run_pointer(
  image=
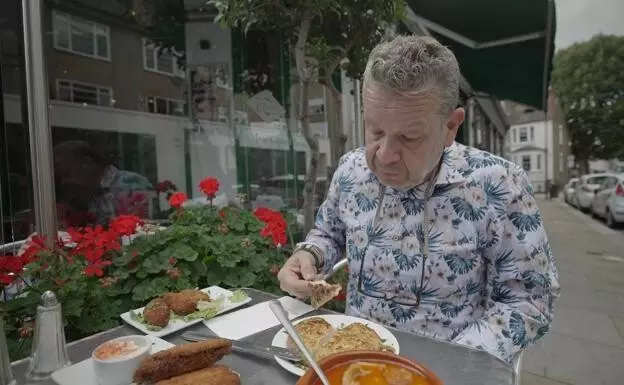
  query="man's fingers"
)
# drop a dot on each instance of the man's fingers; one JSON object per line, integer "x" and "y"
{"x": 296, "y": 286}
{"x": 308, "y": 270}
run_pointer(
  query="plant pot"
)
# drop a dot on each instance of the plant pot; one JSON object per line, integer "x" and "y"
{"x": 310, "y": 378}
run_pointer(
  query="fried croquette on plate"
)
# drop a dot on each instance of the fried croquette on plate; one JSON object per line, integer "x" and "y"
{"x": 214, "y": 375}
{"x": 157, "y": 312}
{"x": 181, "y": 359}
{"x": 185, "y": 302}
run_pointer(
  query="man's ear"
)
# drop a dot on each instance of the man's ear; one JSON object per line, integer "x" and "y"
{"x": 456, "y": 119}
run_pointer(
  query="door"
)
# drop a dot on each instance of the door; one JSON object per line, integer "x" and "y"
{"x": 602, "y": 195}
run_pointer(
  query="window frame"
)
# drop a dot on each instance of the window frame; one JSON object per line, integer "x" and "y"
{"x": 526, "y": 135}
{"x": 72, "y": 83}
{"x": 167, "y": 101}
{"x": 69, "y": 49}
{"x": 523, "y": 158}
{"x": 177, "y": 72}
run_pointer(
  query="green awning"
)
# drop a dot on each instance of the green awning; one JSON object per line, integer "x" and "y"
{"x": 504, "y": 47}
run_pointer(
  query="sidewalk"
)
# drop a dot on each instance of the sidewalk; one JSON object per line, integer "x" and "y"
{"x": 586, "y": 342}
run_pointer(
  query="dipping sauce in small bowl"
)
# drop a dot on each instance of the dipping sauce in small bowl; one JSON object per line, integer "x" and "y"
{"x": 115, "y": 349}
{"x": 115, "y": 361}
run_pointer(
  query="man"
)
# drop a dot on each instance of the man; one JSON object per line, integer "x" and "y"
{"x": 442, "y": 240}
{"x": 91, "y": 184}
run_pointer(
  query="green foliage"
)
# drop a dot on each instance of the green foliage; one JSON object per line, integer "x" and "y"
{"x": 203, "y": 247}
{"x": 346, "y": 29}
{"x": 588, "y": 79}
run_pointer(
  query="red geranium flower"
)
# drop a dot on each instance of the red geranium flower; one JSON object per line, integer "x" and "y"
{"x": 275, "y": 225}
{"x": 176, "y": 199}
{"x": 10, "y": 269}
{"x": 125, "y": 224}
{"x": 209, "y": 186}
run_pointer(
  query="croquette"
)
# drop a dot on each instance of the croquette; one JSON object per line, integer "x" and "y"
{"x": 181, "y": 359}
{"x": 185, "y": 302}
{"x": 215, "y": 375}
{"x": 157, "y": 312}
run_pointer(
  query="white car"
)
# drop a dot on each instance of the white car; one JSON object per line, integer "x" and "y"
{"x": 608, "y": 200}
{"x": 568, "y": 190}
{"x": 585, "y": 189}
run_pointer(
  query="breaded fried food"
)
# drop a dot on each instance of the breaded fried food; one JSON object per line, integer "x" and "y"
{"x": 353, "y": 337}
{"x": 185, "y": 302}
{"x": 311, "y": 332}
{"x": 157, "y": 312}
{"x": 323, "y": 292}
{"x": 181, "y": 359}
{"x": 214, "y": 375}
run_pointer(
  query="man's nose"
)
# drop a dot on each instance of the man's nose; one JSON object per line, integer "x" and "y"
{"x": 388, "y": 152}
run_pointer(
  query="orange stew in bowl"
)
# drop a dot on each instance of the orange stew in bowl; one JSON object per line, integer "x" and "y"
{"x": 374, "y": 373}
{"x": 115, "y": 349}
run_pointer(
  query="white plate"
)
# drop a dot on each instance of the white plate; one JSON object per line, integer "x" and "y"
{"x": 337, "y": 321}
{"x": 83, "y": 373}
{"x": 179, "y": 324}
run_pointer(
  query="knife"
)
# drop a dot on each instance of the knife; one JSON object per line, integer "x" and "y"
{"x": 248, "y": 347}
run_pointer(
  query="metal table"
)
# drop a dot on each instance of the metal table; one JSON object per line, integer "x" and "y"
{"x": 454, "y": 364}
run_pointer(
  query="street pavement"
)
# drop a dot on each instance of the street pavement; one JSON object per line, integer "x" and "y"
{"x": 586, "y": 342}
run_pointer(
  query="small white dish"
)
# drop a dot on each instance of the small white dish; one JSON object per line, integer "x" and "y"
{"x": 119, "y": 369}
{"x": 83, "y": 372}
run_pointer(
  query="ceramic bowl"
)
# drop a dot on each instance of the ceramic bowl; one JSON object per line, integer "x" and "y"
{"x": 119, "y": 370}
{"x": 310, "y": 378}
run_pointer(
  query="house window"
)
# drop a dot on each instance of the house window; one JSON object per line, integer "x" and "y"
{"x": 161, "y": 60}
{"x": 75, "y": 92}
{"x": 523, "y": 135}
{"x": 81, "y": 37}
{"x": 166, "y": 106}
{"x": 532, "y": 129}
{"x": 526, "y": 162}
{"x": 513, "y": 131}
{"x": 538, "y": 166}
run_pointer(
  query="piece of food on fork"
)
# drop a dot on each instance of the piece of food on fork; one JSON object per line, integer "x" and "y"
{"x": 323, "y": 292}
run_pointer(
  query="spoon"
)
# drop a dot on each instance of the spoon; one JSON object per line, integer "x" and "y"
{"x": 280, "y": 314}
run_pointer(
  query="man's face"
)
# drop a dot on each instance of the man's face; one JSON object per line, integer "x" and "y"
{"x": 405, "y": 135}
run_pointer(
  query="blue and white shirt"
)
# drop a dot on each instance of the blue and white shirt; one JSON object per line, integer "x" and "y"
{"x": 490, "y": 280}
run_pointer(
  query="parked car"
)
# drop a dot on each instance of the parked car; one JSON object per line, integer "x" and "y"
{"x": 587, "y": 186}
{"x": 568, "y": 190}
{"x": 608, "y": 200}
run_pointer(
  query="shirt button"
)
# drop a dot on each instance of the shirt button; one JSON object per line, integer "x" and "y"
{"x": 396, "y": 237}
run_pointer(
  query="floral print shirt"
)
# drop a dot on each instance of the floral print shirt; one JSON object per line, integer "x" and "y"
{"x": 490, "y": 280}
{"x": 122, "y": 192}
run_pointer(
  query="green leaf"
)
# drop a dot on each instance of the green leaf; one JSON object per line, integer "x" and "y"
{"x": 183, "y": 252}
{"x": 150, "y": 288}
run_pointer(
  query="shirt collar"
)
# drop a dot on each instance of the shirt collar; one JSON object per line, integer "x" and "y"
{"x": 450, "y": 170}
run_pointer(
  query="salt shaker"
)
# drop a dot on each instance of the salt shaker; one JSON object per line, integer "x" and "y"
{"x": 49, "y": 351}
{"x": 6, "y": 375}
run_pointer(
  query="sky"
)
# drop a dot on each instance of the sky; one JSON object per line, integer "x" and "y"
{"x": 579, "y": 20}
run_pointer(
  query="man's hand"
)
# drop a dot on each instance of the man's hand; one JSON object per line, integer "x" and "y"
{"x": 297, "y": 272}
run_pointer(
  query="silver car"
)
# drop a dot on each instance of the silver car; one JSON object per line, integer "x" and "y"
{"x": 568, "y": 190}
{"x": 586, "y": 188}
{"x": 608, "y": 200}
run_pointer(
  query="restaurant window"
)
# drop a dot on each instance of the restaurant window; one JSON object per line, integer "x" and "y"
{"x": 166, "y": 106}
{"x": 539, "y": 162}
{"x": 532, "y": 129}
{"x": 523, "y": 135}
{"x": 513, "y": 131}
{"x": 80, "y": 36}
{"x": 161, "y": 60}
{"x": 526, "y": 162}
{"x": 76, "y": 92}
